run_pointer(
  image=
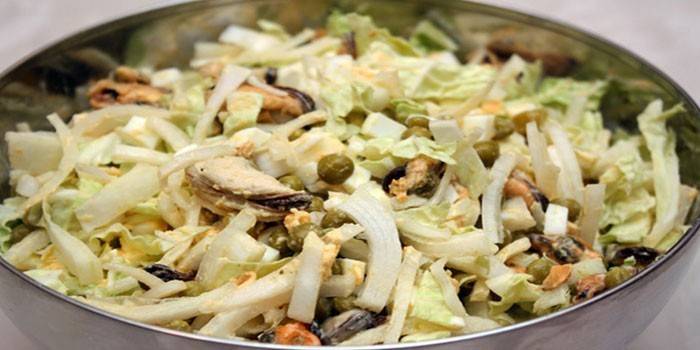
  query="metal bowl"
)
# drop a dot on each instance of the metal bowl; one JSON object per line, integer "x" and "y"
{"x": 51, "y": 79}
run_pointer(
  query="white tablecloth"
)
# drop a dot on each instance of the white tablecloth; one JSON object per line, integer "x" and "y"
{"x": 664, "y": 32}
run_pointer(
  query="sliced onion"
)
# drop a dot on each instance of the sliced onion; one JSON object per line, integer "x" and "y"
{"x": 302, "y": 305}
{"x": 226, "y": 324}
{"x": 592, "y": 211}
{"x": 491, "y": 202}
{"x": 93, "y": 172}
{"x": 299, "y": 122}
{"x": 546, "y": 173}
{"x": 355, "y": 249}
{"x": 132, "y": 154}
{"x": 65, "y": 167}
{"x": 570, "y": 178}
{"x": 384, "y": 247}
{"x": 176, "y": 138}
{"x": 169, "y": 211}
{"x": 255, "y": 81}
{"x": 403, "y": 294}
{"x": 139, "y": 274}
{"x": 176, "y": 252}
{"x": 166, "y": 289}
{"x": 168, "y": 310}
{"x": 518, "y": 246}
{"x": 193, "y": 258}
{"x": 437, "y": 269}
{"x": 231, "y": 78}
{"x": 104, "y": 120}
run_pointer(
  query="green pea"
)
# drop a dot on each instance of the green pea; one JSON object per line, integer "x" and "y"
{"x": 335, "y": 218}
{"x": 335, "y": 168}
{"x": 337, "y": 269}
{"x": 572, "y": 205}
{"x": 617, "y": 275}
{"x": 416, "y": 131}
{"x": 504, "y": 127}
{"x": 539, "y": 269}
{"x": 278, "y": 237}
{"x": 356, "y": 119}
{"x": 419, "y": 122}
{"x": 292, "y": 181}
{"x": 324, "y": 309}
{"x": 296, "y": 134}
{"x": 298, "y": 234}
{"x": 488, "y": 151}
{"x": 316, "y": 204}
{"x": 342, "y": 304}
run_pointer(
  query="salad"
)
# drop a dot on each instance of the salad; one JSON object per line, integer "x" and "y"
{"x": 340, "y": 186}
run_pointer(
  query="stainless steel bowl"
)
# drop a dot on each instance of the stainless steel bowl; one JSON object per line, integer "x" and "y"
{"x": 51, "y": 80}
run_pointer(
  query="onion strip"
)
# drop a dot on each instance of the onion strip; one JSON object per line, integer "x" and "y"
{"x": 491, "y": 202}
{"x": 384, "y": 248}
{"x": 171, "y": 134}
{"x": 302, "y": 305}
{"x": 546, "y": 173}
{"x": 231, "y": 78}
{"x": 570, "y": 177}
{"x": 437, "y": 269}
{"x": 403, "y": 292}
{"x": 593, "y": 207}
{"x": 132, "y": 154}
{"x": 198, "y": 154}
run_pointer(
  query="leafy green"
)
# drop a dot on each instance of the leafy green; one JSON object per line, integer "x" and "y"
{"x": 422, "y": 78}
{"x": 231, "y": 269}
{"x": 553, "y": 299}
{"x": 134, "y": 249}
{"x": 512, "y": 288}
{"x": 413, "y": 146}
{"x": 429, "y": 38}
{"x": 8, "y": 218}
{"x": 404, "y": 108}
{"x": 661, "y": 143}
{"x": 243, "y": 109}
{"x": 470, "y": 170}
{"x": 632, "y": 230}
{"x": 49, "y": 278}
{"x": 366, "y": 32}
{"x": 429, "y": 305}
{"x": 559, "y": 92}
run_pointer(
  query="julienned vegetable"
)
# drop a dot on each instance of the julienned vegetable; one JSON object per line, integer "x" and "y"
{"x": 340, "y": 186}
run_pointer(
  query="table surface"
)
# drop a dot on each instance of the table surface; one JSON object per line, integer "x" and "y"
{"x": 663, "y": 32}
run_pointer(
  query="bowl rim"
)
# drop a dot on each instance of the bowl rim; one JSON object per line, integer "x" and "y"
{"x": 534, "y": 20}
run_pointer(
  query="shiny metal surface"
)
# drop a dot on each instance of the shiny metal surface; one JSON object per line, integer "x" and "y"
{"x": 52, "y": 79}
